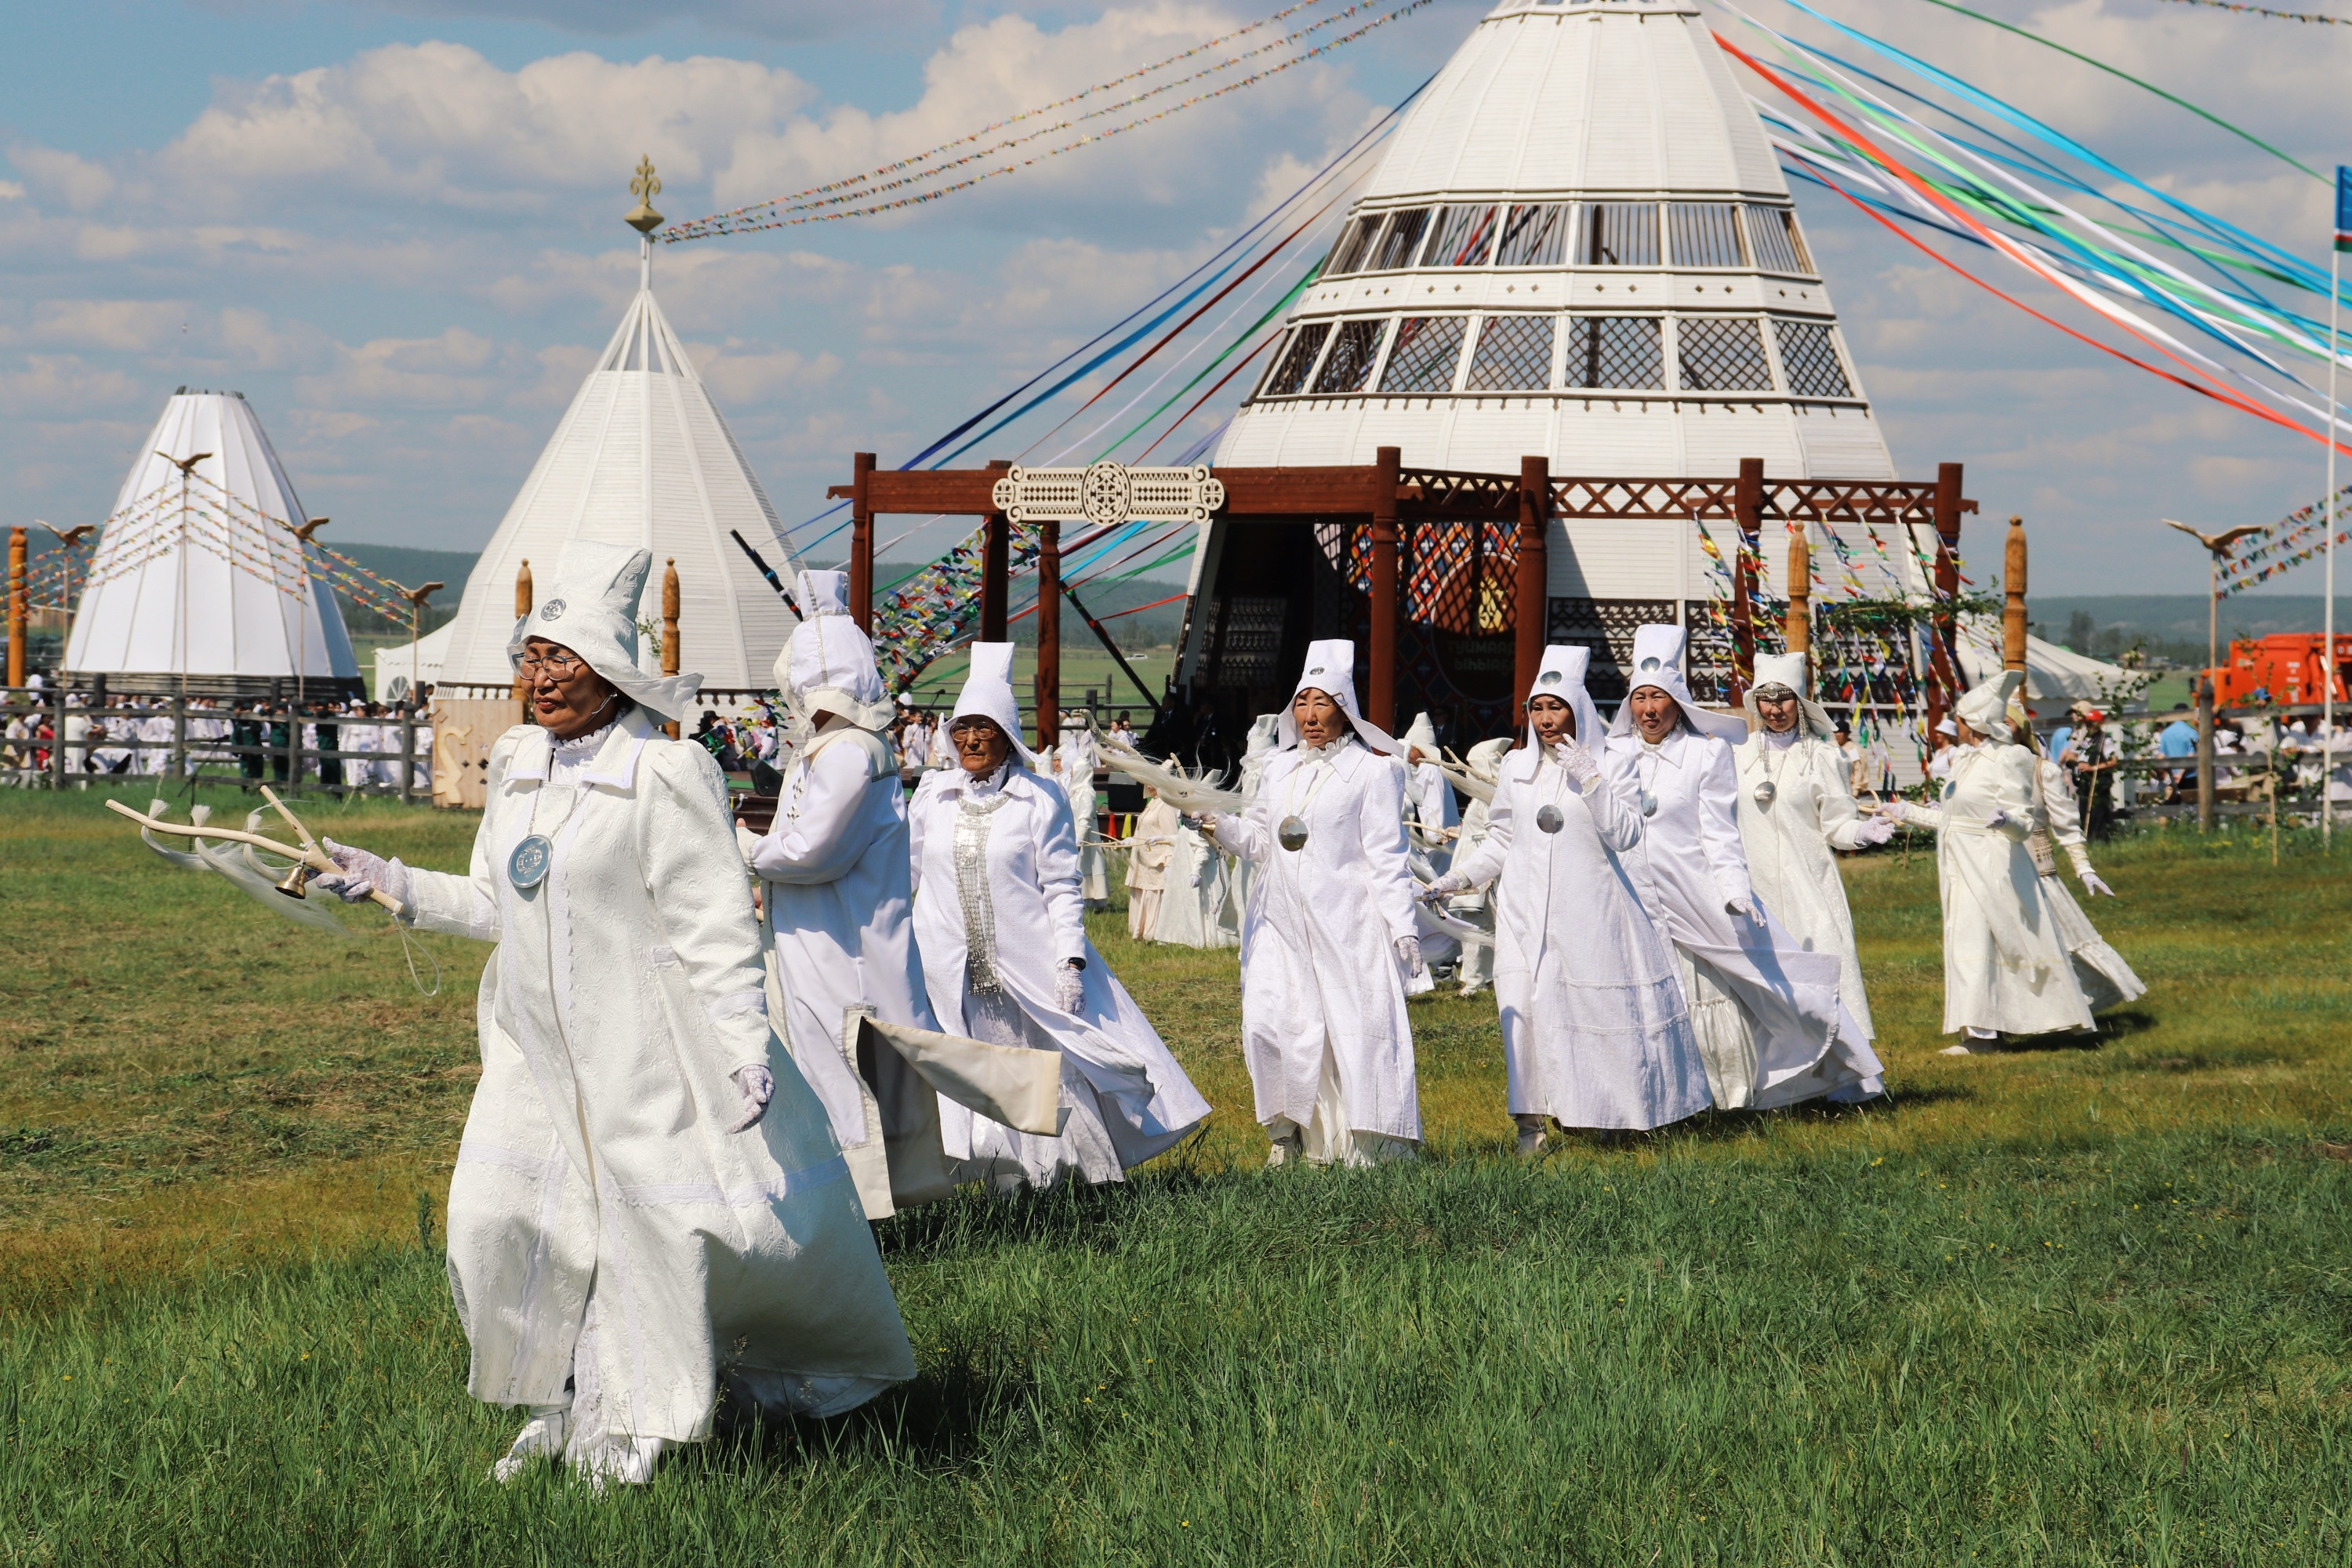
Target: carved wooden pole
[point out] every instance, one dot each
(2012, 608)
(522, 614)
(17, 616)
(1530, 588)
(861, 543)
(1381, 708)
(1797, 631)
(1747, 511)
(1049, 633)
(1942, 684)
(996, 568)
(669, 654)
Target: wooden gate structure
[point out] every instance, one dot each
(1281, 563)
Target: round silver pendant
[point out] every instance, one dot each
(527, 867)
(1764, 793)
(1549, 819)
(1291, 834)
(1649, 804)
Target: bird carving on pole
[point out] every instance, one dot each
(2216, 546)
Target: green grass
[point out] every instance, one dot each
(2065, 1306)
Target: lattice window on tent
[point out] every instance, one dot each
(1355, 243)
(1704, 234)
(1248, 633)
(1607, 628)
(1288, 377)
(1427, 348)
(1402, 241)
(1462, 236)
(1514, 354)
(1621, 233)
(1616, 352)
(1809, 358)
(1722, 354)
(1778, 246)
(1534, 236)
(1442, 586)
(1349, 366)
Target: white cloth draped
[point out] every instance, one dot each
(997, 911)
(2105, 979)
(625, 991)
(1765, 1009)
(1596, 1032)
(1789, 843)
(1323, 995)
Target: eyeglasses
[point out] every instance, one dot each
(561, 666)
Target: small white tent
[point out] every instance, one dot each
(198, 571)
(2055, 678)
(642, 458)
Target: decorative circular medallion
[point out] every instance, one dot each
(1649, 804)
(1107, 494)
(1765, 792)
(551, 610)
(1549, 819)
(1291, 834)
(1549, 678)
(527, 867)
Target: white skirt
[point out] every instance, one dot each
(2105, 979)
(1092, 1148)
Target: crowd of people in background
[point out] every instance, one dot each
(278, 741)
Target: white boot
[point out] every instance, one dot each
(1973, 1042)
(620, 1461)
(1288, 1146)
(1531, 1136)
(541, 1437)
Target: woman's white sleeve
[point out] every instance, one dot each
(1379, 821)
(1057, 873)
(1718, 826)
(1483, 862)
(826, 837)
(1841, 819)
(704, 901)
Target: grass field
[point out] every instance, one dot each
(2082, 1305)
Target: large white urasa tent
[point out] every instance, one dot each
(199, 576)
(642, 458)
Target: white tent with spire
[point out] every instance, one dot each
(1579, 243)
(199, 572)
(642, 458)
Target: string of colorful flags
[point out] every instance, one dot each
(2292, 541)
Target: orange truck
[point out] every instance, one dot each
(2287, 669)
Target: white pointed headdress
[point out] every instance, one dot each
(1787, 669)
(987, 693)
(1561, 675)
(1984, 707)
(1658, 661)
(1331, 670)
(829, 664)
(591, 608)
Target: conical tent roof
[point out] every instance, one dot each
(643, 458)
(201, 575)
(1579, 243)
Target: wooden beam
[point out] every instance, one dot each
(522, 613)
(861, 540)
(1797, 631)
(996, 567)
(17, 616)
(670, 652)
(1748, 503)
(953, 491)
(1049, 636)
(1943, 686)
(2012, 589)
(1530, 587)
(1380, 706)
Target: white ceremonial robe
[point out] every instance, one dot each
(1789, 842)
(997, 911)
(625, 991)
(2006, 968)
(1476, 906)
(839, 910)
(1075, 762)
(1765, 1009)
(1151, 849)
(2105, 979)
(1324, 1026)
(1196, 898)
(1595, 1029)
(1429, 799)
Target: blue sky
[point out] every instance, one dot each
(396, 228)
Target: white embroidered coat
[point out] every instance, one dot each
(2105, 979)
(1789, 843)
(1318, 959)
(1035, 919)
(2006, 967)
(626, 988)
(1688, 865)
(1595, 1029)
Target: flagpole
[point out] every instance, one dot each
(2327, 504)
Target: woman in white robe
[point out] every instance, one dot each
(1329, 947)
(2105, 979)
(1151, 848)
(1596, 1033)
(1076, 757)
(2006, 968)
(1002, 927)
(1795, 809)
(1476, 907)
(648, 1197)
(1765, 1010)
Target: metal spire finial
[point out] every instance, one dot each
(644, 187)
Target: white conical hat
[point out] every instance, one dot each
(1561, 675)
(829, 664)
(1330, 669)
(988, 694)
(591, 608)
(1984, 707)
(1421, 732)
(1788, 669)
(1658, 661)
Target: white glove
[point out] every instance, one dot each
(1408, 952)
(1739, 909)
(1446, 887)
(1877, 830)
(758, 1086)
(1579, 763)
(362, 874)
(1070, 985)
(1998, 820)
(2091, 883)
